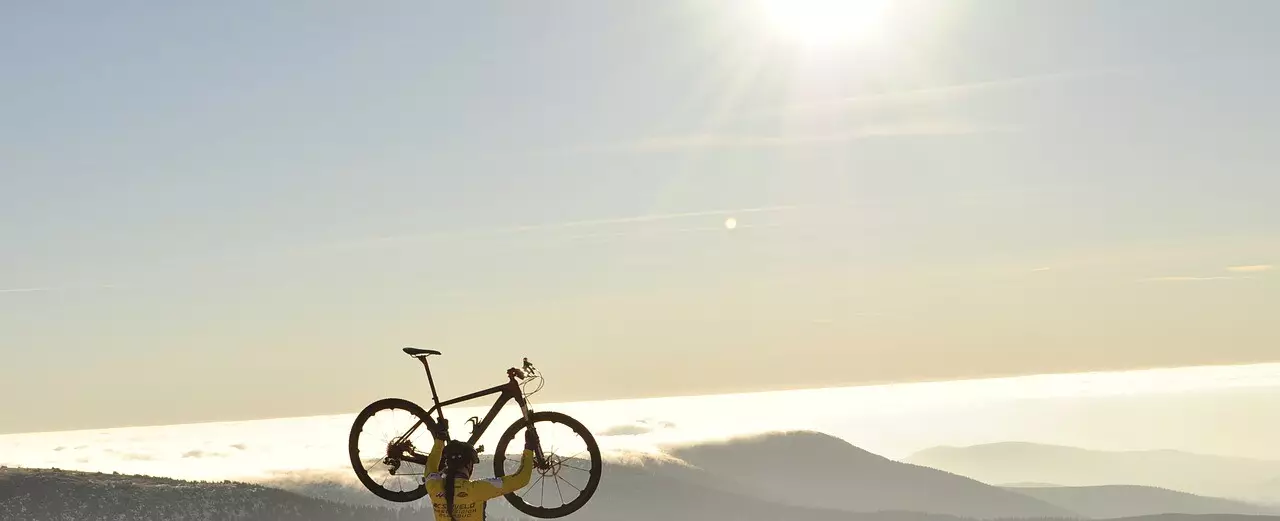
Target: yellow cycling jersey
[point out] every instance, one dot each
(469, 496)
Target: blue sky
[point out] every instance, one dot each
(201, 203)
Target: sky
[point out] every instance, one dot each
(242, 210)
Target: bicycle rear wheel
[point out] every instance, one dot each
(567, 477)
(384, 438)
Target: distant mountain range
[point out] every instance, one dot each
(662, 490)
(815, 476)
(1109, 501)
(788, 476)
(816, 470)
(800, 475)
(1219, 476)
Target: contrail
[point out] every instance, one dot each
(653, 217)
(940, 92)
(571, 224)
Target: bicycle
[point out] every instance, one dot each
(394, 456)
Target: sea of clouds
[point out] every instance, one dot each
(1182, 408)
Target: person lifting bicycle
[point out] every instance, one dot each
(454, 495)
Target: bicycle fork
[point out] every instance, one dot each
(539, 458)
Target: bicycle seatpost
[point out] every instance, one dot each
(435, 397)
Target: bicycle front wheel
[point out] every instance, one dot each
(568, 474)
(388, 438)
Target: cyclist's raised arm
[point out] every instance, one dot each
(440, 436)
(491, 488)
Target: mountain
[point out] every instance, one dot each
(637, 488)
(817, 470)
(1111, 501)
(1219, 476)
(640, 490)
(53, 495)
(654, 488)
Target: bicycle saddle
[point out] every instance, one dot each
(413, 351)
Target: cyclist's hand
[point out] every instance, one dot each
(530, 439)
(441, 431)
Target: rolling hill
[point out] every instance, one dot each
(640, 490)
(54, 495)
(1111, 501)
(671, 491)
(818, 470)
(1218, 476)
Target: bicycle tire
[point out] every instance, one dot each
(353, 448)
(500, 455)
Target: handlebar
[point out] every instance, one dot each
(527, 372)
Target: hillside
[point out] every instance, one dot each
(642, 490)
(818, 470)
(1111, 501)
(53, 495)
(655, 489)
(1217, 476)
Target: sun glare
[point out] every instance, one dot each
(825, 22)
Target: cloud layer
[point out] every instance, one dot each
(1189, 279)
(723, 140)
(1255, 268)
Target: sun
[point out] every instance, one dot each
(825, 22)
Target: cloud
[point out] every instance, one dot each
(652, 232)
(652, 217)
(937, 93)
(46, 289)
(1190, 279)
(1252, 268)
(239, 446)
(627, 430)
(197, 454)
(706, 141)
(24, 290)
(586, 223)
(128, 456)
(1043, 268)
(865, 314)
(637, 428)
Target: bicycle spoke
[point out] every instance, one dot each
(530, 488)
(575, 487)
(563, 464)
(544, 494)
(558, 490)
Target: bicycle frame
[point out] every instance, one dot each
(508, 391)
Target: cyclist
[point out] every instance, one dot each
(454, 496)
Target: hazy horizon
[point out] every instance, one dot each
(1206, 410)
